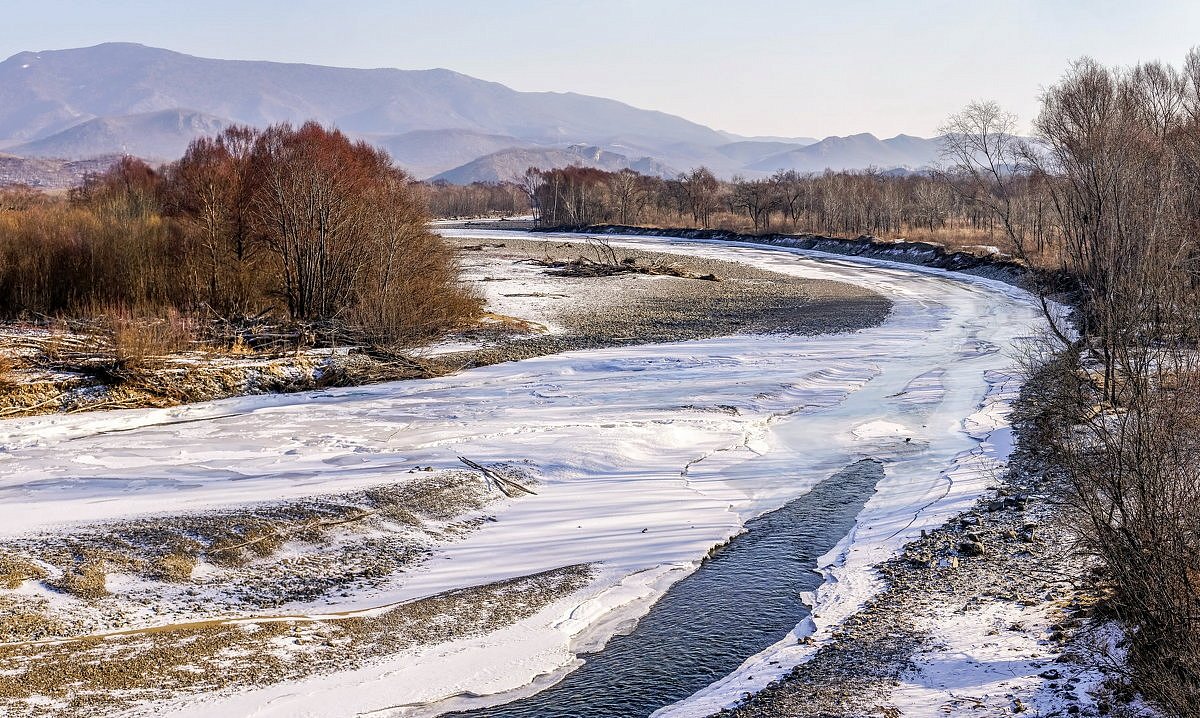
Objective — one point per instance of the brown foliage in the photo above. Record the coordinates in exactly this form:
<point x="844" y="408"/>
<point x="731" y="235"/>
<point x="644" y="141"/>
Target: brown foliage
<point x="1121" y="167"/>
<point x="479" y="199"/>
<point x="300" y="225"/>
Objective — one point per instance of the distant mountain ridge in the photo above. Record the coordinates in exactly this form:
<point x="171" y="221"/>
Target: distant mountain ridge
<point x="125" y="98"/>
<point x="856" y="152"/>
<point x="162" y="135"/>
<point x="510" y="164"/>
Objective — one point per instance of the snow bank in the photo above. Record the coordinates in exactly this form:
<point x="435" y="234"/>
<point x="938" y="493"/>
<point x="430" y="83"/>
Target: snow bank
<point x="647" y="457"/>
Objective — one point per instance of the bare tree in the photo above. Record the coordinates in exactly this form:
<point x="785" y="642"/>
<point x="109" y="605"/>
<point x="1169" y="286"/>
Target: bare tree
<point x="700" y="187"/>
<point x="629" y="194"/>
<point x="531" y="183"/>
<point x="985" y="160"/>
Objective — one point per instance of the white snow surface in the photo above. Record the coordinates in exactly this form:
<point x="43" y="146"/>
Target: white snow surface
<point x="642" y="466"/>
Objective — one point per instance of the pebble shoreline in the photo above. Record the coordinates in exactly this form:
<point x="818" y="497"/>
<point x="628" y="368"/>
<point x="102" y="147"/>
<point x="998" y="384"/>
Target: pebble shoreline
<point x="626" y="310"/>
<point x="1011" y="554"/>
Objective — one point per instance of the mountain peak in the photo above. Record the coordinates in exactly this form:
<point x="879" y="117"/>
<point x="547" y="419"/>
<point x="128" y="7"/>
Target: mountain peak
<point x="128" y="97"/>
<point x="121" y="79"/>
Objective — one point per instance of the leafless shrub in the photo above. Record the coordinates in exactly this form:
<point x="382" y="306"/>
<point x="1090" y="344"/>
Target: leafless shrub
<point x="1121" y="409"/>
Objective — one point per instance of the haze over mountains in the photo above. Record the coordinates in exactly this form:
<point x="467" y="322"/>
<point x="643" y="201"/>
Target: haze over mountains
<point x="124" y="98"/>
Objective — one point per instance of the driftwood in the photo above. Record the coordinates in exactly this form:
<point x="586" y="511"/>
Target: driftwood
<point x="18" y="410"/>
<point x="504" y="485"/>
<point x="584" y="267"/>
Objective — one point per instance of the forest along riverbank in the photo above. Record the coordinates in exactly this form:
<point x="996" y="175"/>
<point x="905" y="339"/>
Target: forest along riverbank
<point x="983" y="615"/>
<point x="531" y="310"/>
<point x="640" y="459"/>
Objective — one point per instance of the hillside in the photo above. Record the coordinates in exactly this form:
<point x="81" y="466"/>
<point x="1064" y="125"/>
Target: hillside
<point x="50" y="174"/>
<point x="122" y="98"/>
<point x="162" y="135"/>
<point x="855" y="152"/>
<point x="425" y="153"/>
<point x="42" y="93"/>
<point x="508" y="165"/>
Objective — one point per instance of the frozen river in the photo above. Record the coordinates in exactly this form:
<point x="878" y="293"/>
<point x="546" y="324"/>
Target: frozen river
<point x="647" y="457"/>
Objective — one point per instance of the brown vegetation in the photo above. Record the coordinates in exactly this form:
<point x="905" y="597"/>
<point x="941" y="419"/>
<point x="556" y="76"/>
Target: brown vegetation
<point x="1118" y="160"/>
<point x="918" y="207"/>
<point x="86" y="581"/>
<point x="297" y="225"/>
<point x="479" y="199"/>
<point x="15" y="570"/>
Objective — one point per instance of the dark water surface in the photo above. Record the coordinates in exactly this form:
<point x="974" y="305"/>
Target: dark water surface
<point x="741" y="601"/>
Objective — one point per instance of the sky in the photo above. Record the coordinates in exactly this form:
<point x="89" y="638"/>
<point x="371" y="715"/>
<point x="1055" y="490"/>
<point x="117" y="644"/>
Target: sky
<point x="752" y="67"/>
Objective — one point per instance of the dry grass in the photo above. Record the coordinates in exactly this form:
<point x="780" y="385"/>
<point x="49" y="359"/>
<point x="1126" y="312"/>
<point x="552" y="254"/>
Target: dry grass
<point x="260" y="539"/>
<point x="85" y="580"/>
<point x="173" y="567"/>
<point x="15" y="570"/>
<point x="516" y="324"/>
<point x="93" y="676"/>
<point x="142" y="341"/>
<point x="8" y="379"/>
<point x="25" y="619"/>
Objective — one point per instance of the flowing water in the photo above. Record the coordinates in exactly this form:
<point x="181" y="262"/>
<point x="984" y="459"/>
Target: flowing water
<point x="742" y="600"/>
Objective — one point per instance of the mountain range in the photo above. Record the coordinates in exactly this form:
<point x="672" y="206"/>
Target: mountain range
<point x="122" y="98"/>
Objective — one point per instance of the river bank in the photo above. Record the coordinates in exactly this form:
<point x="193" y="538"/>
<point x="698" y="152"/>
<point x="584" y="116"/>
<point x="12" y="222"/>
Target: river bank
<point x="640" y="460"/>
<point x="530" y="311"/>
<point x="987" y="614"/>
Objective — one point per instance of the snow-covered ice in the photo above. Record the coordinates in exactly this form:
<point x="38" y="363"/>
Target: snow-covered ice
<point x="643" y="466"/>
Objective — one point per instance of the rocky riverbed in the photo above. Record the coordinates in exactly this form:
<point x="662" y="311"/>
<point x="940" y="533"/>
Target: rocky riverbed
<point x="624" y="309"/>
<point x="532" y="310"/>
<point x="986" y="615"/>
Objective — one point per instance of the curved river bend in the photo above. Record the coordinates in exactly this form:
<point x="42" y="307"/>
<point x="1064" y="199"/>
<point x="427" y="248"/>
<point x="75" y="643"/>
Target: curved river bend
<point x="647" y="457"/>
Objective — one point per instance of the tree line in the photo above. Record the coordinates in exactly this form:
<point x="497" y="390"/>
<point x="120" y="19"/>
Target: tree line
<point x="1116" y="157"/>
<point x="918" y="206"/>
<point x="479" y="199"/>
<point x="297" y="224"/>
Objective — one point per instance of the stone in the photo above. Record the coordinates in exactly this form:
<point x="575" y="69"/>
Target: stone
<point x="972" y="548"/>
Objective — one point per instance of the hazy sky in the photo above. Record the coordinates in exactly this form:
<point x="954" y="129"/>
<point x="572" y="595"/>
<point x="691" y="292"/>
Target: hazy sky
<point x="756" y="67"/>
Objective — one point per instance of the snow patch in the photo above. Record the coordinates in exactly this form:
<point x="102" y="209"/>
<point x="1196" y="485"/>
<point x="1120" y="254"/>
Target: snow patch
<point x="633" y="477"/>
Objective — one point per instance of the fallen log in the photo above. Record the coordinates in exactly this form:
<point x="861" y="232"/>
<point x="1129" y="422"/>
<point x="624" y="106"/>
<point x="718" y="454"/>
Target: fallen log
<point x="584" y="267"/>
<point x="502" y="483"/>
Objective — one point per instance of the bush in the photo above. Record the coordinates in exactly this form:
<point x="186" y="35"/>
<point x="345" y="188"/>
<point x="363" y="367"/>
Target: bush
<point x="296" y="225"/>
